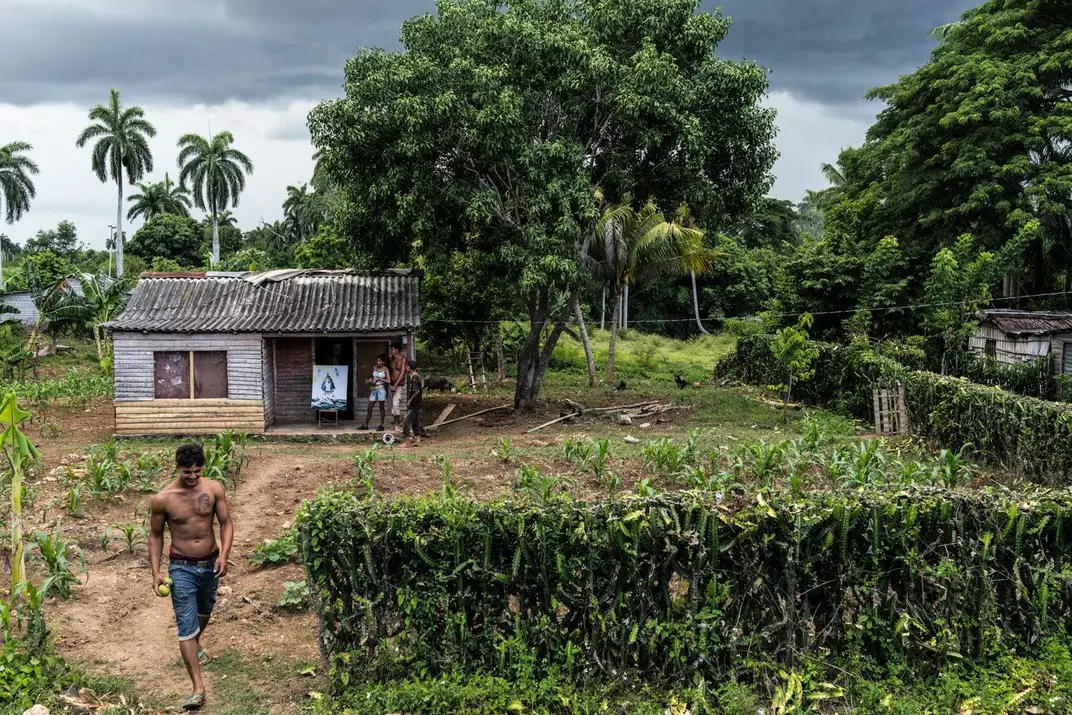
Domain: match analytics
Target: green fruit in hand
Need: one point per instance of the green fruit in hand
(163, 589)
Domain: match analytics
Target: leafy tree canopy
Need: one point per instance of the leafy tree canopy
(168, 236)
(502, 119)
(62, 240)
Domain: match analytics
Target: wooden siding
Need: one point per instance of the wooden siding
(1009, 349)
(134, 380)
(294, 380)
(167, 417)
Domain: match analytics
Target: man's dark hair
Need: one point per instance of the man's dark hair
(190, 455)
(412, 364)
(397, 346)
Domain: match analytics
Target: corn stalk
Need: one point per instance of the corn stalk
(19, 452)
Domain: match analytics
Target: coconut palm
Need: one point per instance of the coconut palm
(302, 212)
(161, 197)
(122, 143)
(16, 186)
(637, 245)
(217, 174)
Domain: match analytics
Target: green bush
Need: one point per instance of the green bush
(25, 675)
(664, 589)
(1028, 435)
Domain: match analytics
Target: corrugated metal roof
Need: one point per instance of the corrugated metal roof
(274, 302)
(1025, 322)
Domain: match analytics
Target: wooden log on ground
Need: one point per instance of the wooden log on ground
(475, 414)
(554, 421)
(442, 415)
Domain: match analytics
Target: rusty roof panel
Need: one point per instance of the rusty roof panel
(1022, 322)
(274, 302)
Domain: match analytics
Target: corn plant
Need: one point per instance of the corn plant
(541, 488)
(364, 471)
(505, 452)
(448, 489)
(130, 533)
(577, 452)
(597, 461)
(18, 453)
(61, 559)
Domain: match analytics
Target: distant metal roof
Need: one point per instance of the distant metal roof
(1026, 322)
(290, 301)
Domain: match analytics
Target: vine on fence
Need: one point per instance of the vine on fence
(665, 588)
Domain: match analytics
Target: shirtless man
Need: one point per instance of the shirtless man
(398, 367)
(188, 506)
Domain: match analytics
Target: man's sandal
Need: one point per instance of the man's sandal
(203, 658)
(194, 702)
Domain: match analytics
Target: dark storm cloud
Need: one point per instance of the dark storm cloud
(833, 51)
(210, 51)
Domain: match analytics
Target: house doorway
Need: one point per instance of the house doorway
(338, 351)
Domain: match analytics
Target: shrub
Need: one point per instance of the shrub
(672, 587)
(25, 675)
(1031, 436)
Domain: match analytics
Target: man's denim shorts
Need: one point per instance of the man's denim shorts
(193, 594)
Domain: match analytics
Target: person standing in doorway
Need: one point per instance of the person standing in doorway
(188, 506)
(378, 393)
(398, 385)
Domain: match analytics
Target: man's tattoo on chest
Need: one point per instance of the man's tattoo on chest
(204, 504)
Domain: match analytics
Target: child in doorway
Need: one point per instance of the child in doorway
(378, 394)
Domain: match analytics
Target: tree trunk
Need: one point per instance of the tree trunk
(589, 358)
(696, 304)
(533, 360)
(215, 237)
(603, 310)
(625, 308)
(119, 229)
(615, 318)
(500, 362)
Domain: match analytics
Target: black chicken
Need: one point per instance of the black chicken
(681, 382)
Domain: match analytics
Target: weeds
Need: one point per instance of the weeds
(295, 596)
(363, 465)
(276, 552)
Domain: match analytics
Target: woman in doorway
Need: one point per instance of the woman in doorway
(378, 394)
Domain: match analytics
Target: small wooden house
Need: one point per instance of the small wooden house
(1017, 336)
(23, 300)
(199, 353)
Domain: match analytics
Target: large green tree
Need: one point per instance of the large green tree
(169, 236)
(16, 186)
(977, 141)
(62, 240)
(121, 143)
(216, 171)
(496, 123)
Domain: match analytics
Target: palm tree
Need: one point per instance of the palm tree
(217, 173)
(122, 143)
(161, 197)
(109, 245)
(640, 244)
(16, 186)
(303, 212)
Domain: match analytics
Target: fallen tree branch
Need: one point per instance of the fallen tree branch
(475, 414)
(554, 421)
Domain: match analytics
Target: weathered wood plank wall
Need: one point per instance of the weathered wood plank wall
(134, 374)
(163, 417)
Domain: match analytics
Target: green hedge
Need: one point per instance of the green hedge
(1031, 436)
(667, 588)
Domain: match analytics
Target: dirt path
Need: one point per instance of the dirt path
(116, 626)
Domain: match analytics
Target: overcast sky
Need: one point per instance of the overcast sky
(256, 67)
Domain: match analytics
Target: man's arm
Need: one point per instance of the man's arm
(223, 515)
(156, 537)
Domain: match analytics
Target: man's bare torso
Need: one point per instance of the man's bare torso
(398, 369)
(189, 514)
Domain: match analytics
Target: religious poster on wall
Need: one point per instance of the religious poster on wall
(329, 387)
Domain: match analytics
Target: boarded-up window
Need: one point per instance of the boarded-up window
(185, 375)
(172, 375)
(991, 348)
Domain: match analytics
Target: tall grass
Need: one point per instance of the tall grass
(641, 355)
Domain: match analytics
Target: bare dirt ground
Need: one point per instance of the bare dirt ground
(115, 625)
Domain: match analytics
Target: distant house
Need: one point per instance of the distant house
(23, 300)
(199, 353)
(1016, 336)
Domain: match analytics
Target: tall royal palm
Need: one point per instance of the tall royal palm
(122, 144)
(16, 186)
(217, 174)
(161, 197)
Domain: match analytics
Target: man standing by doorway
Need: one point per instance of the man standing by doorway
(188, 506)
(398, 385)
